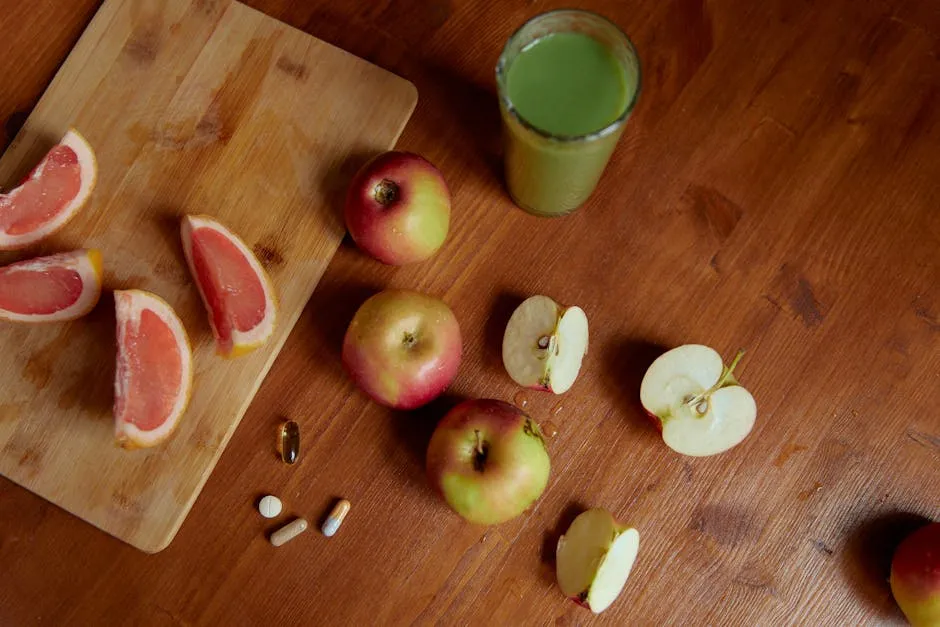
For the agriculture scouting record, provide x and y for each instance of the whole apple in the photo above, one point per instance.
(398, 208)
(402, 348)
(488, 460)
(915, 576)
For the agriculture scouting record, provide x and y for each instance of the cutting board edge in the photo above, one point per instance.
(413, 89)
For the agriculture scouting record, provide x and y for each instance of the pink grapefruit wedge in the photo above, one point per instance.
(52, 193)
(154, 375)
(51, 289)
(235, 289)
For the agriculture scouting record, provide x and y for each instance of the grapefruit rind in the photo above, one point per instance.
(243, 342)
(88, 166)
(88, 265)
(129, 305)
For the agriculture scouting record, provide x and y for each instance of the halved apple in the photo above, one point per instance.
(544, 344)
(695, 400)
(594, 558)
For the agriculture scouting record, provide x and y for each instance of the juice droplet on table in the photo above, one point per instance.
(557, 409)
(805, 494)
(787, 452)
(550, 429)
(288, 442)
(520, 400)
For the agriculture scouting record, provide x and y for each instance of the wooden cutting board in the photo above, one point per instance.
(192, 106)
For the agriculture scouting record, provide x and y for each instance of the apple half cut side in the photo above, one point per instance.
(696, 401)
(594, 558)
(544, 344)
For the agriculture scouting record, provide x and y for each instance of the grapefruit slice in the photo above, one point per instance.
(154, 375)
(51, 289)
(52, 193)
(234, 287)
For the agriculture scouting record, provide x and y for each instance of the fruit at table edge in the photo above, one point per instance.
(915, 576)
(71, 163)
(696, 402)
(398, 208)
(70, 283)
(488, 460)
(162, 381)
(402, 348)
(594, 558)
(544, 344)
(241, 305)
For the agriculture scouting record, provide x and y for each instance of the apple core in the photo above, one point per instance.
(386, 192)
(479, 453)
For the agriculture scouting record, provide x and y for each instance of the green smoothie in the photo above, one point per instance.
(570, 91)
(567, 84)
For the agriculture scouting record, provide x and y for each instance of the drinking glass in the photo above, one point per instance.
(550, 174)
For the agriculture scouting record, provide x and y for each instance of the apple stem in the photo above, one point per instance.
(700, 401)
(480, 450)
(734, 364)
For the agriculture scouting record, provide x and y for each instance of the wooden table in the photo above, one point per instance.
(778, 189)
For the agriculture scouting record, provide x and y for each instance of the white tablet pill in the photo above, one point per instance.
(270, 506)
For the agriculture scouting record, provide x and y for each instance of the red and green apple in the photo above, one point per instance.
(398, 208)
(403, 348)
(915, 576)
(488, 460)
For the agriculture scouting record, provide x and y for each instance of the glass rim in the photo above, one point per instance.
(603, 132)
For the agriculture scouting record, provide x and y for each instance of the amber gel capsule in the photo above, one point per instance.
(288, 442)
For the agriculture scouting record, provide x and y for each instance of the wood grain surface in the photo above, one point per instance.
(181, 100)
(777, 189)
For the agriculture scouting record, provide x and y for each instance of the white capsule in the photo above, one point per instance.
(270, 506)
(335, 519)
(288, 532)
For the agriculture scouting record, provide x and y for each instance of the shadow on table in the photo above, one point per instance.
(413, 429)
(453, 107)
(472, 110)
(336, 303)
(625, 361)
(550, 538)
(501, 310)
(867, 557)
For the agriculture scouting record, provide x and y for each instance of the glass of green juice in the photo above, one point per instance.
(567, 82)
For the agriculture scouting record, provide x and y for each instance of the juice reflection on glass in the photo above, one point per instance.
(567, 82)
